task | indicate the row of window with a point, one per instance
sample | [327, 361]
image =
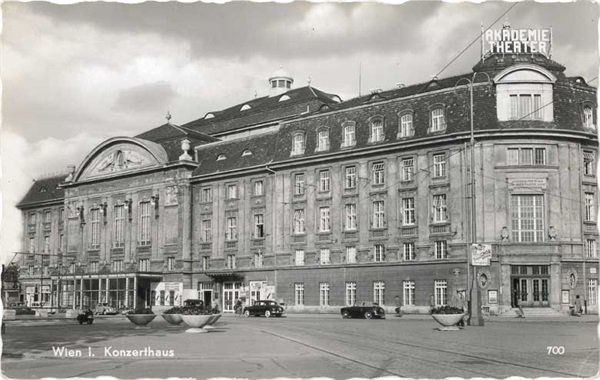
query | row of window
[440, 293]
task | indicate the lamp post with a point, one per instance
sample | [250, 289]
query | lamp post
[473, 294]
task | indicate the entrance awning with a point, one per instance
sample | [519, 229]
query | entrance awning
[221, 276]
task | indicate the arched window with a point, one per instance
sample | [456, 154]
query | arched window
[377, 130]
[221, 157]
[322, 140]
[406, 128]
[437, 120]
[298, 143]
[349, 137]
[588, 117]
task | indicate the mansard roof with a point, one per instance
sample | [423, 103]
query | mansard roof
[169, 136]
[44, 191]
[262, 110]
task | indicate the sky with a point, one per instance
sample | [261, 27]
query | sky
[75, 75]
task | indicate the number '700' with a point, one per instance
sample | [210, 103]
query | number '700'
[555, 350]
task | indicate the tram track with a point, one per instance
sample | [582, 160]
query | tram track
[338, 336]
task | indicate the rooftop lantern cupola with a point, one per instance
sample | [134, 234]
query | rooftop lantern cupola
[280, 81]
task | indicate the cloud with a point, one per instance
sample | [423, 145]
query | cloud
[145, 97]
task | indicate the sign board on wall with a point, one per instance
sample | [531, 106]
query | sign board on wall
[481, 254]
[527, 183]
[516, 41]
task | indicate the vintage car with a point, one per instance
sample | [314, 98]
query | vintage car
[266, 308]
[366, 310]
[104, 309]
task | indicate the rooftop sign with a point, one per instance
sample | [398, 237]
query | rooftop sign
[515, 41]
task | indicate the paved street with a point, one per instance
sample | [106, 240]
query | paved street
[306, 346]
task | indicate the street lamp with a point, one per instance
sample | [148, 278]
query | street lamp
[475, 315]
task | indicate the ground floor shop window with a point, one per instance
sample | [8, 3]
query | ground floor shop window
[350, 293]
[379, 292]
[409, 292]
[441, 292]
[299, 294]
[593, 292]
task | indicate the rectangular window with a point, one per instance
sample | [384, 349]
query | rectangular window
[409, 251]
[323, 141]
[47, 216]
[205, 260]
[526, 106]
[170, 264]
[409, 292]
[350, 217]
[408, 169]
[406, 125]
[299, 221]
[377, 131]
[46, 244]
[117, 265]
[350, 181]
[94, 266]
[259, 225]
[299, 184]
[527, 214]
[324, 181]
[590, 210]
[349, 136]
[350, 293]
[379, 253]
[145, 223]
[441, 249]
[206, 195]
[408, 211]
[259, 188]
[206, 233]
[440, 212]
[526, 156]
[119, 225]
[439, 165]
[299, 294]
[588, 117]
[299, 258]
[31, 245]
[143, 265]
[323, 294]
[31, 218]
[378, 214]
[231, 232]
[590, 248]
[351, 255]
[95, 228]
[232, 191]
[588, 163]
[437, 120]
[324, 219]
[258, 259]
[325, 256]
[61, 242]
[231, 261]
[441, 292]
[46, 272]
[379, 292]
[593, 292]
[378, 173]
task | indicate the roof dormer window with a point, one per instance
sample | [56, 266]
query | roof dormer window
[284, 98]
[209, 115]
[437, 121]
[221, 157]
[588, 117]
[377, 133]
[298, 143]
[247, 152]
[245, 107]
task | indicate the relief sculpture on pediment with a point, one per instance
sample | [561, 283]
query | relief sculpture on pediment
[119, 158]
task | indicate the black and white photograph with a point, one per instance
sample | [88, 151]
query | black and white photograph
[261, 190]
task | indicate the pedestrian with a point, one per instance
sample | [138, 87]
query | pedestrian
[431, 303]
[578, 308]
[459, 303]
[398, 306]
[519, 311]
[215, 306]
[238, 307]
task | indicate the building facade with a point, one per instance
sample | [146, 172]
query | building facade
[319, 203]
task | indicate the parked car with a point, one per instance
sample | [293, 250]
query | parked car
[366, 310]
[104, 309]
[266, 308]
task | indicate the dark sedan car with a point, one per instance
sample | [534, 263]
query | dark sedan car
[266, 308]
[366, 310]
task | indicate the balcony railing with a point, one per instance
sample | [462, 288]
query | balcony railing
[409, 231]
[441, 229]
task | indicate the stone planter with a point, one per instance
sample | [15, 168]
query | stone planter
[141, 320]
[215, 317]
[196, 322]
[173, 319]
[448, 321]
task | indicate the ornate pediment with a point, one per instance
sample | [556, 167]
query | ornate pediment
[119, 158]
